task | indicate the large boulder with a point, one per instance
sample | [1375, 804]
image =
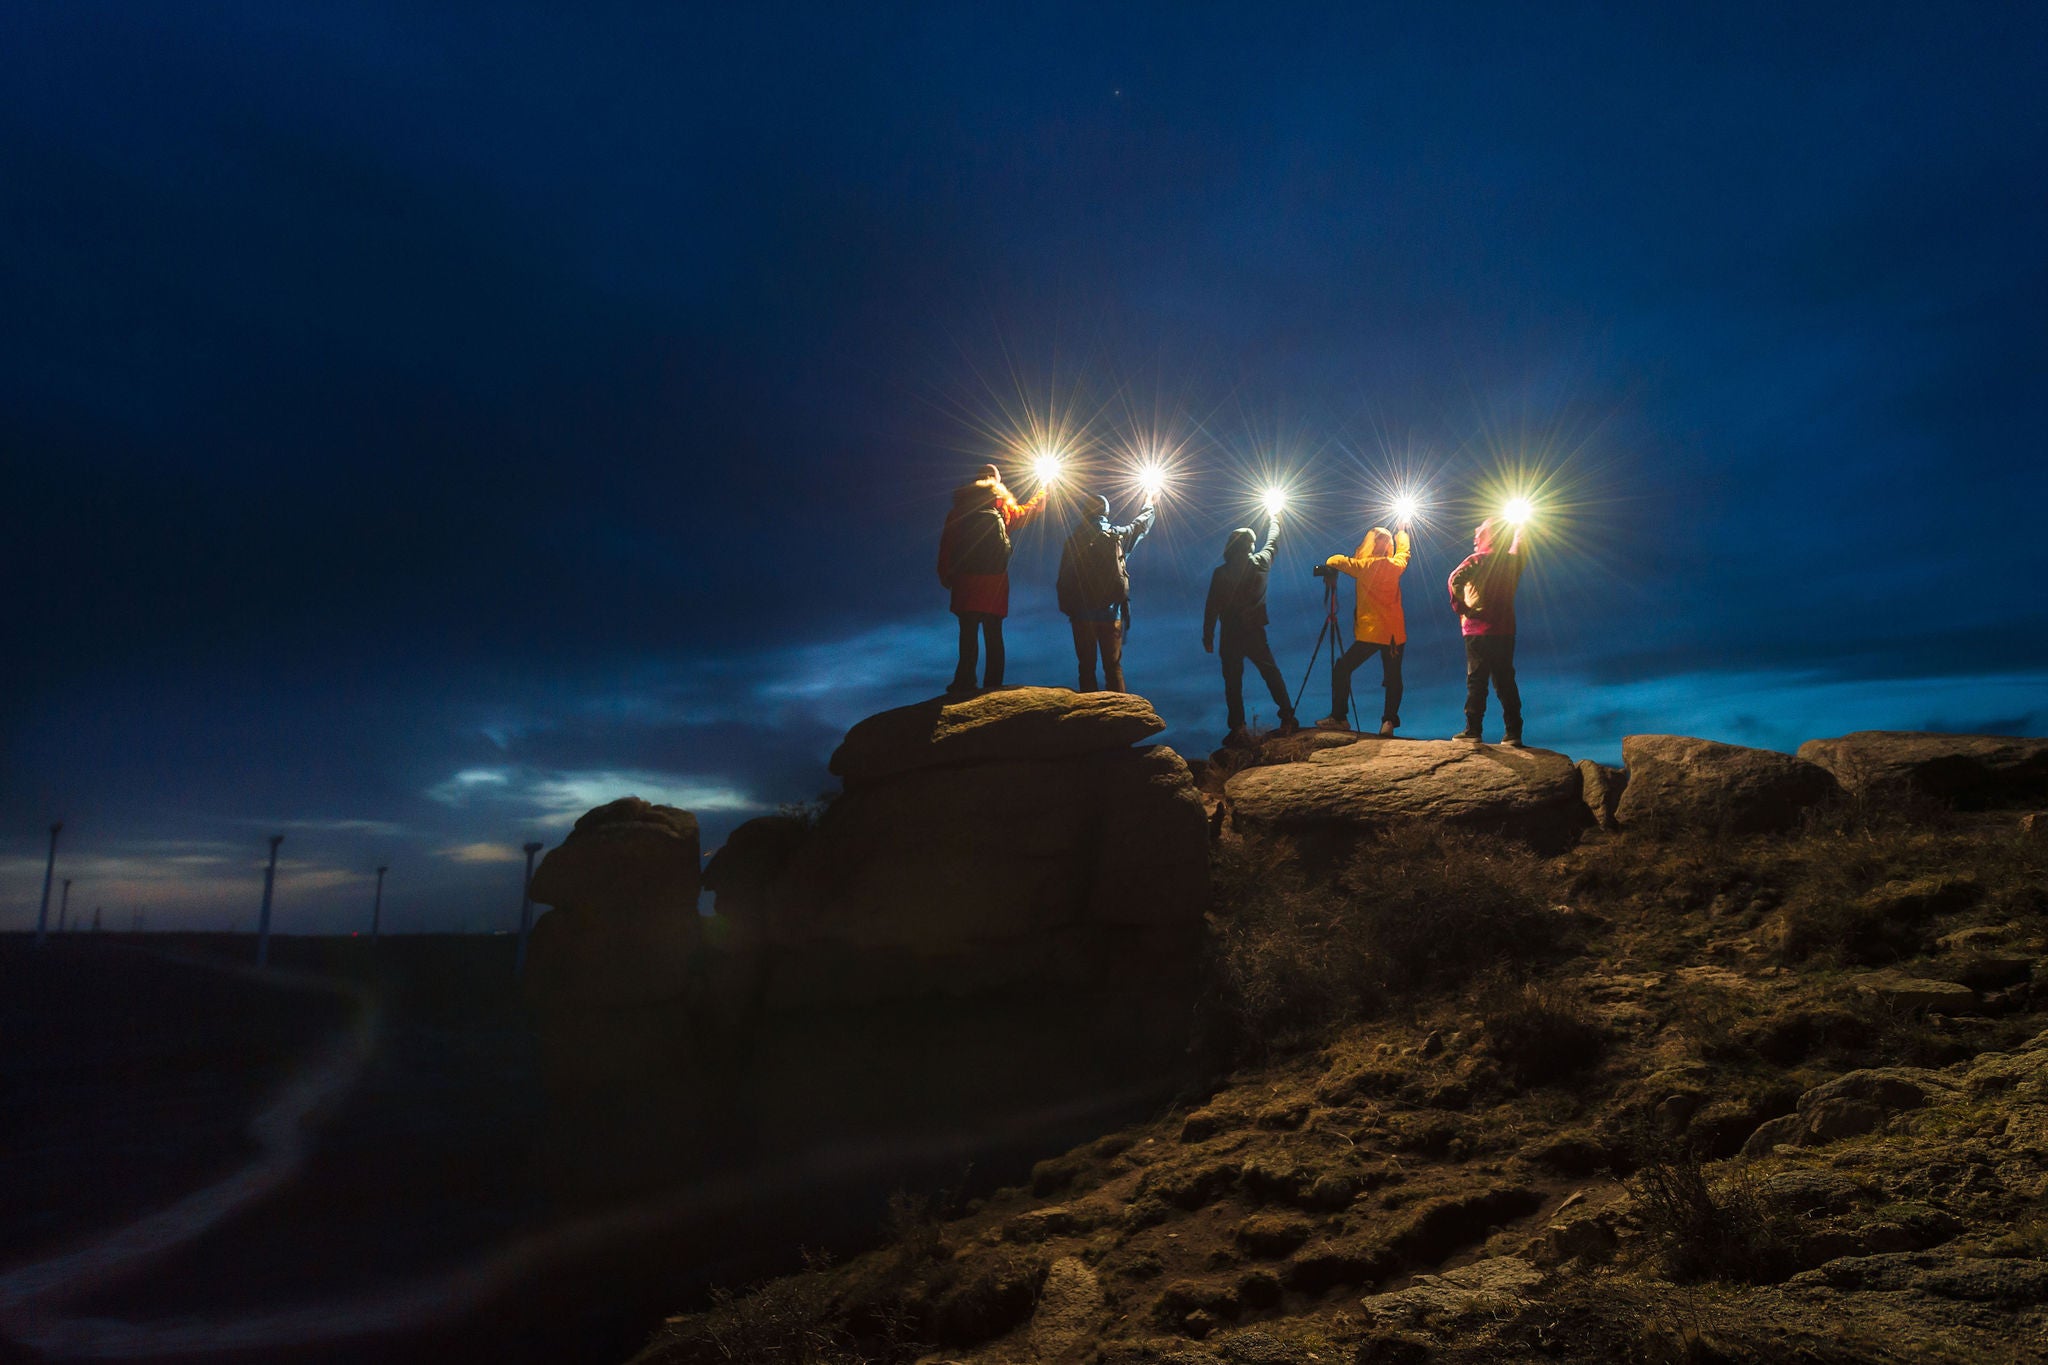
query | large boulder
[1532, 794]
[1679, 783]
[624, 927]
[1008, 723]
[1972, 772]
[627, 855]
[992, 865]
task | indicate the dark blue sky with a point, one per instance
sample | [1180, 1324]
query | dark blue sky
[422, 422]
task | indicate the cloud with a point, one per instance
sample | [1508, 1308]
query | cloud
[482, 853]
[551, 798]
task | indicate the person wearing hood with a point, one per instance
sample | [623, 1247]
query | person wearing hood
[1237, 603]
[974, 566]
[1483, 595]
[1377, 625]
[1095, 588]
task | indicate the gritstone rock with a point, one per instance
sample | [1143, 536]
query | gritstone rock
[625, 925]
[1010, 723]
[1973, 772]
[1679, 783]
[1602, 787]
[1008, 870]
[1531, 794]
[753, 856]
[628, 855]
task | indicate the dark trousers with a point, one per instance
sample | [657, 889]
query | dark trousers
[990, 627]
[1249, 643]
[1491, 658]
[1106, 638]
[1390, 677]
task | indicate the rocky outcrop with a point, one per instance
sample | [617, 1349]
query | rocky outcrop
[1849, 1106]
[1028, 845]
[1531, 794]
[1676, 783]
[1009, 723]
[624, 927]
[1970, 772]
[1000, 919]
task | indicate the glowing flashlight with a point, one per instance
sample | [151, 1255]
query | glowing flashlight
[1152, 479]
[1047, 467]
[1406, 506]
[1275, 499]
[1518, 510]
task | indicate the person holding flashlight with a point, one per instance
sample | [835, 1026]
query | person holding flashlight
[974, 567]
[1095, 588]
[1483, 595]
[1378, 625]
[1237, 603]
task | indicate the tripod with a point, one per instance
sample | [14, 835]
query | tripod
[1329, 630]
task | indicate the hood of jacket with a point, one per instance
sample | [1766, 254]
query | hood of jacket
[1378, 544]
[1240, 545]
[1094, 511]
[983, 492]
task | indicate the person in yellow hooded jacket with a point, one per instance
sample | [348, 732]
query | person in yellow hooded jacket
[1377, 627]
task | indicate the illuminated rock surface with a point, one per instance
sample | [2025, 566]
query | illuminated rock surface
[1009, 723]
[1531, 794]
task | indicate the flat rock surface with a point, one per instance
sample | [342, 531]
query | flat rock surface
[1677, 782]
[1009, 723]
[1970, 771]
[1528, 792]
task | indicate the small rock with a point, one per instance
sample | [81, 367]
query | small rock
[1776, 1133]
[1917, 993]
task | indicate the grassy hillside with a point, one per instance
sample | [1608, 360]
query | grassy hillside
[1473, 1105]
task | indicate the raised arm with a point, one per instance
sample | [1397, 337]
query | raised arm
[1264, 558]
[1139, 529]
[1017, 514]
[1401, 547]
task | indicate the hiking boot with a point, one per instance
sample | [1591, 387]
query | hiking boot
[1289, 725]
[1238, 738]
[1386, 729]
[1333, 723]
[1513, 742]
[1470, 735]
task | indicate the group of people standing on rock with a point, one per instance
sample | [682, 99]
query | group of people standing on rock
[1094, 589]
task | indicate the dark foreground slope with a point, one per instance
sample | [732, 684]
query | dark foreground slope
[1700, 1097]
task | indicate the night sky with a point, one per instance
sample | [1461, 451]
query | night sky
[423, 422]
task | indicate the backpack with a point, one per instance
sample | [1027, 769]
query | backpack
[981, 543]
[1098, 559]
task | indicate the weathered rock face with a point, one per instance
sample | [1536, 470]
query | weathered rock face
[625, 926]
[1679, 783]
[1602, 786]
[1532, 794]
[1009, 723]
[1971, 772]
[999, 920]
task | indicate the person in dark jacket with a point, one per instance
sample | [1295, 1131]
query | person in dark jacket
[1095, 588]
[1483, 595]
[974, 567]
[1237, 603]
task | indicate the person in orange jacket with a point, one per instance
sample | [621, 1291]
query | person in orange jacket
[974, 566]
[1377, 626]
